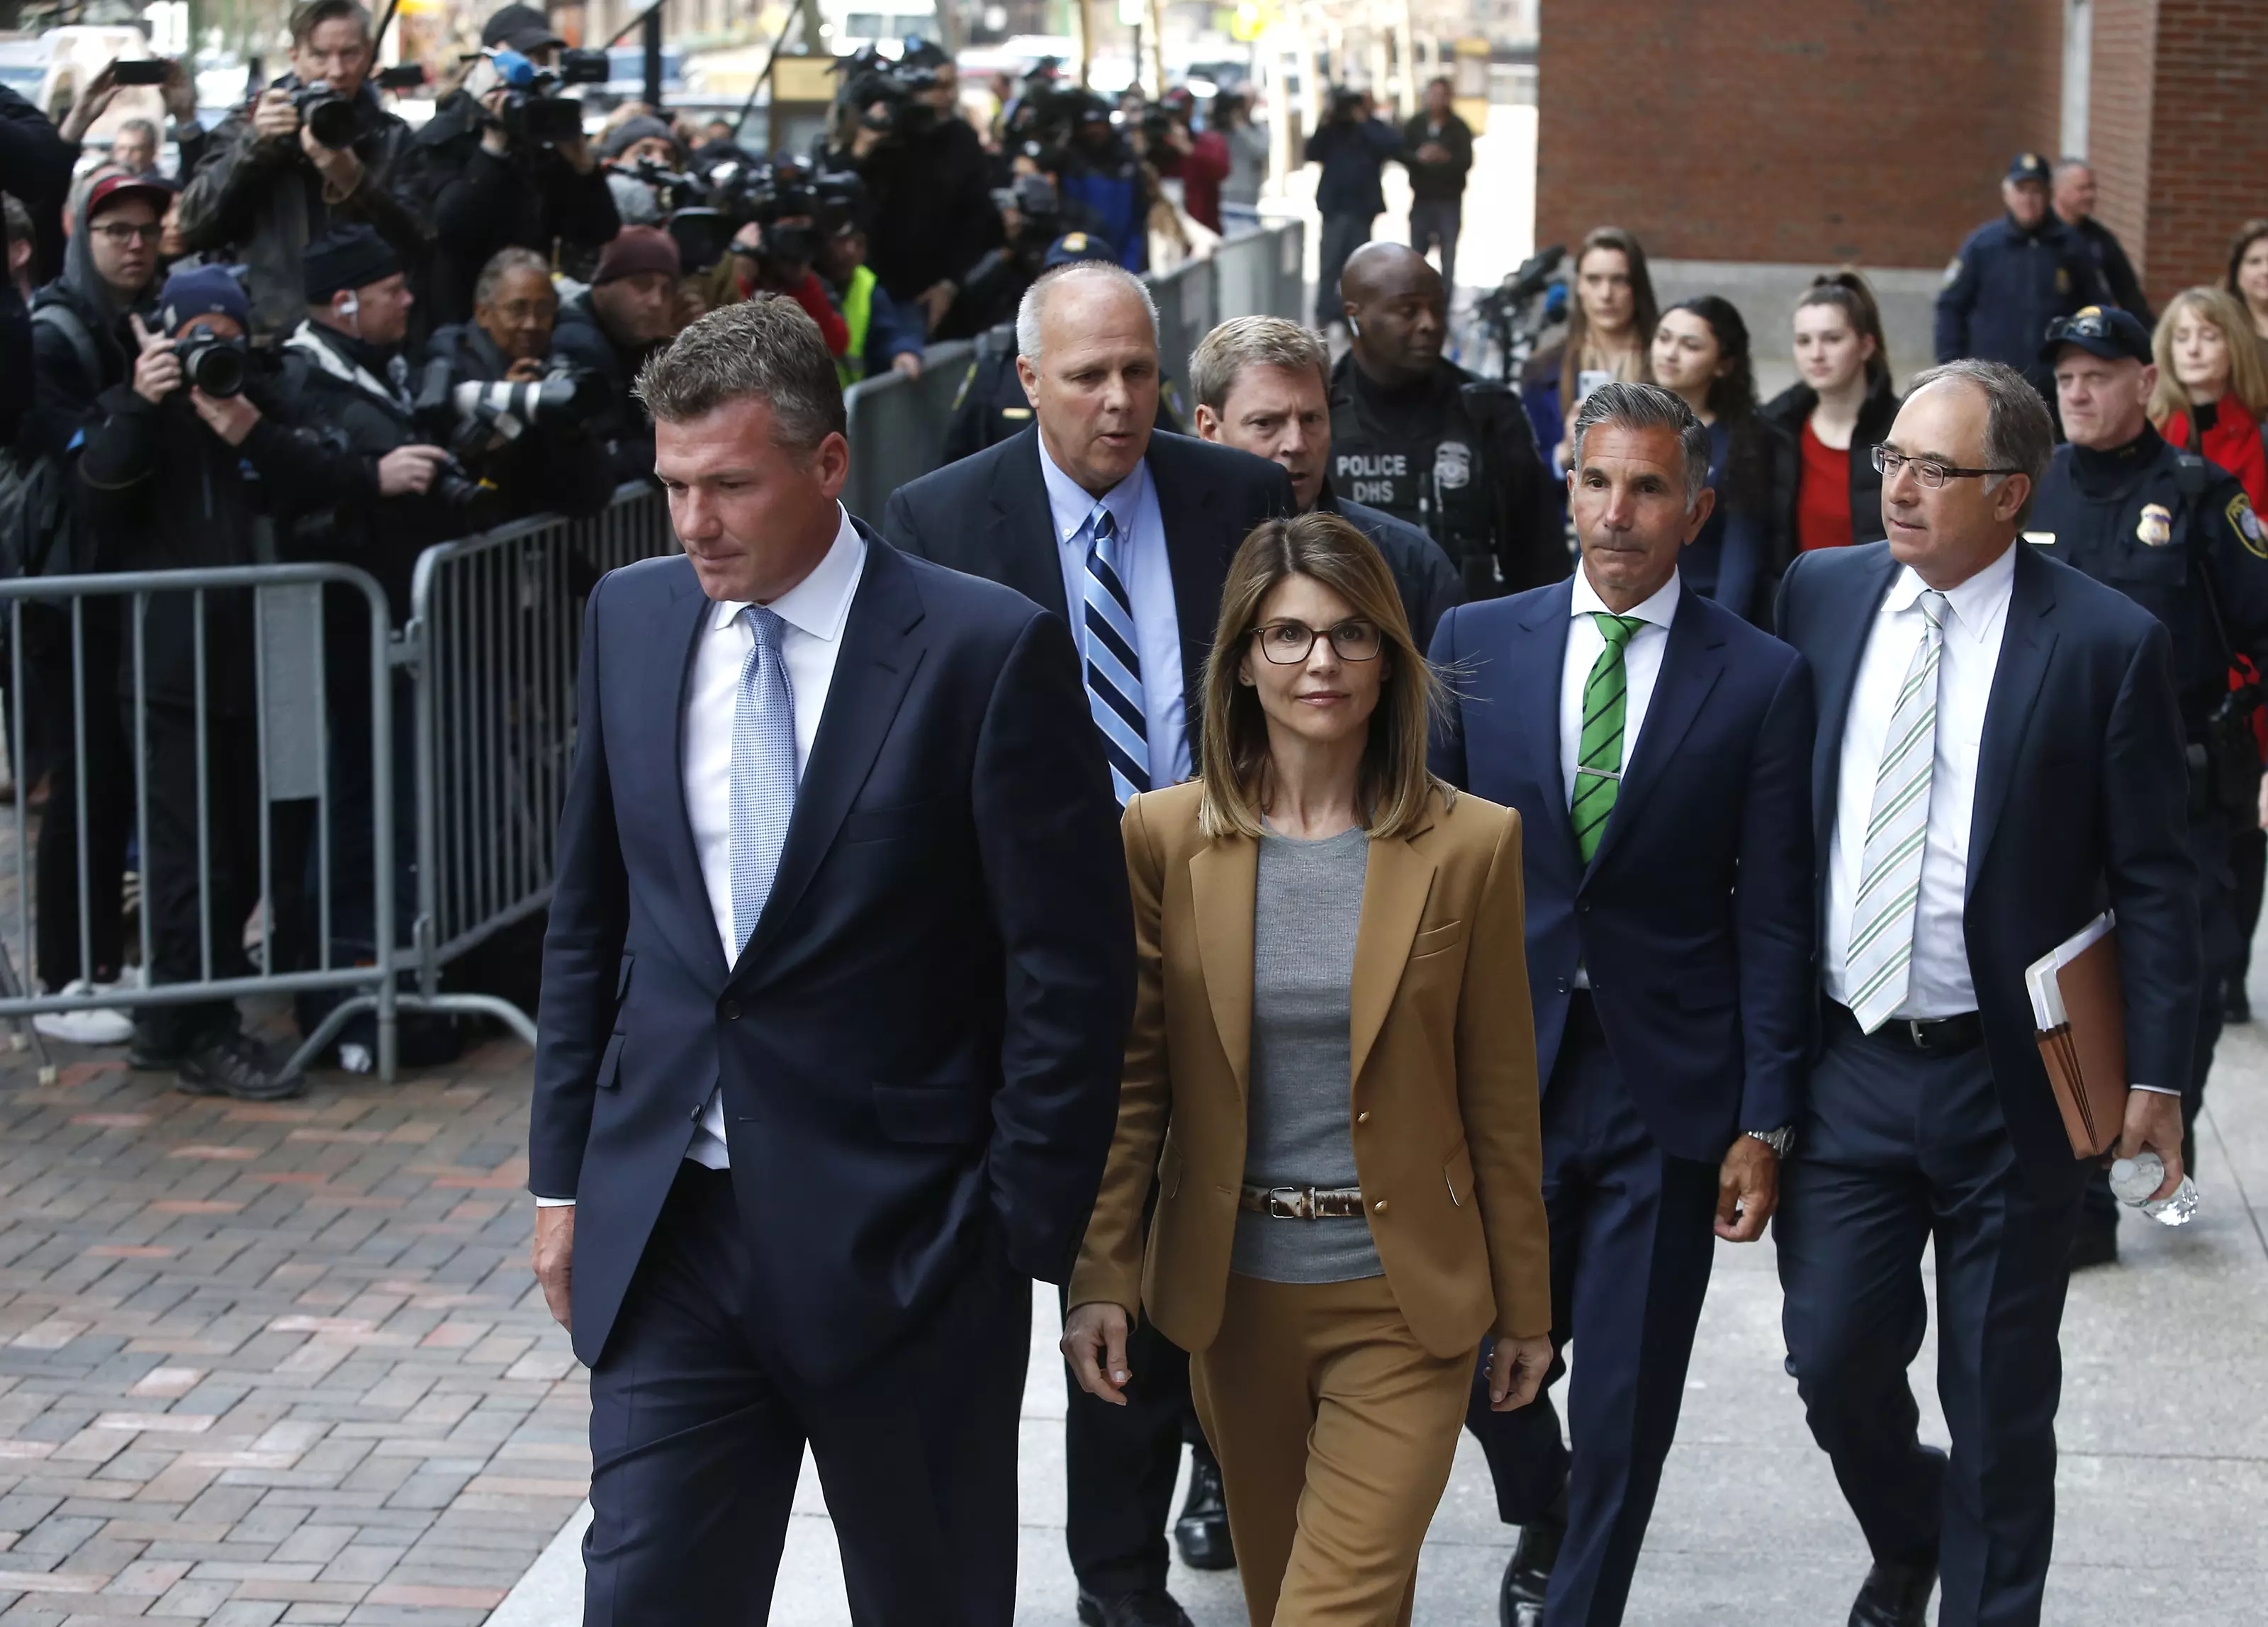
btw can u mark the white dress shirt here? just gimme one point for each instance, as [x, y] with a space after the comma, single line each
[1149, 581]
[1938, 981]
[1641, 667]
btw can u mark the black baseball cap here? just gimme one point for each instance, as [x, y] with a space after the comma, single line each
[2100, 331]
[2028, 167]
[521, 29]
[1074, 247]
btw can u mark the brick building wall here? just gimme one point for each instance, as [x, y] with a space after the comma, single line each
[1792, 129]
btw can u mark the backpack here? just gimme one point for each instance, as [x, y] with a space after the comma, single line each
[35, 514]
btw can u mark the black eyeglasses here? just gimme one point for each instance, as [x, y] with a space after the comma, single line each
[1288, 643]
[1929, 471]
[120, 233]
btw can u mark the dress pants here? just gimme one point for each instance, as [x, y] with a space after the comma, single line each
[1343, 235]
[1436, 220]
[1120, 1464]
[52, 666]
[1335, 1430]
[189, 918]
[1632, 1239]
[1900, 1150]
[698, 1431]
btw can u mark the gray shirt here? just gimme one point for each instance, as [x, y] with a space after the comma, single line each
[1306, 907]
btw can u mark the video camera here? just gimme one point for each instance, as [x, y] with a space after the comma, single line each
[884, 92]
[535, 112]
[1516, 314]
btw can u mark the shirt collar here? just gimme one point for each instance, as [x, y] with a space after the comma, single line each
[1069, 503]
[1660, 610]
[820, 602]
[1977, 604]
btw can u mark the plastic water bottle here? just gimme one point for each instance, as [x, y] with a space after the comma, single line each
[2132, 1180]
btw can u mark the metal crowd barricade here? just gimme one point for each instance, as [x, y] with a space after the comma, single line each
[897, 426]
[102, 619]
[492, 645]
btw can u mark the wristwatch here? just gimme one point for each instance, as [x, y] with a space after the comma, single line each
[1779, 1140]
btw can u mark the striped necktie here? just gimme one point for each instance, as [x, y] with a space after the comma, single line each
[1878, 962]
[1599, 756]
[1114, 662]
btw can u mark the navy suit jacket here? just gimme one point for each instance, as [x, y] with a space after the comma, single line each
[2081, 805]
[1694, 918]
[988, 514]
[920, 1046]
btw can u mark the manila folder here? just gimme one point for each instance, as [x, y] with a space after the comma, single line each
[2086, 1054]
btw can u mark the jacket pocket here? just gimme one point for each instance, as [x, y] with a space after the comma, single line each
[948, 1115]
[610, 1063]
[1437, 939]
[1458, 1172]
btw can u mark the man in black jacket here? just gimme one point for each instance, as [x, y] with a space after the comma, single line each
[489, 189]
[609, 330]
[1352, 144]
[177, 478]
[1087, 490]
[2072, 196]
[1439, 146]
[268, 185]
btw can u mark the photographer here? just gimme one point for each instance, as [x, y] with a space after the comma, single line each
[642, 171]
[316, 148]
[534, 448]
[611, 327]
[495, 183]
[1031, 218]
[773, 252]
[926, 172]
[1352, 144]
[1103, 179]
[178, 469]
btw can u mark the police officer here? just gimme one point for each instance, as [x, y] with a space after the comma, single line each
[2177, 534]
[991, 405]
[2014, 276]
[1415, 435]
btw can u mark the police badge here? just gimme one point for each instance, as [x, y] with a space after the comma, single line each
[1452, 465]
[2155, 528]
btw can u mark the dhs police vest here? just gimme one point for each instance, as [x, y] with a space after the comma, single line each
[1438, 483]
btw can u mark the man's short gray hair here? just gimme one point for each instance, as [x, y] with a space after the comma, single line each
[1035, 302]
[1648, 406]
[768, 348]
[1242, 341]
[2064, 166]
[2018, 433]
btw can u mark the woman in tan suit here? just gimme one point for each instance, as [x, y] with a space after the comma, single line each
[1331, 1077]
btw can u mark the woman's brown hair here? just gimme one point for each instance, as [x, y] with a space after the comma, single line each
[2248, 374]
[1646, 313]
[2250, 233]
[1849, 293]
[1396, 788]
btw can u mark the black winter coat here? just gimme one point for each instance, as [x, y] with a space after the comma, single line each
[1792, 407]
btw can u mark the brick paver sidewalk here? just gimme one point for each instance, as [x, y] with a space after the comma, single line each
[274, 1363]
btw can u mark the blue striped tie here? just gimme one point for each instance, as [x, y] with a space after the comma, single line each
[1114, 665]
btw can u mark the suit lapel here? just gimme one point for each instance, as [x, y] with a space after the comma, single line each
[1395, 884]
[1029, 555]
[684, 620]
[881, 652]
[1690, 667]
[1835, 657]
[1223, 877]
[1534, 665]
[2025, 644]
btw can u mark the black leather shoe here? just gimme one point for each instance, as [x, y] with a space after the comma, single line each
[1154, 1608]
[1896, 1595]
[1519, 1602]
[240, 1066]
[1202, 1532]
[2097, 1242]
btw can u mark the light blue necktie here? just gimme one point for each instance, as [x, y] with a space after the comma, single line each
[1114, 662]
[763, 773]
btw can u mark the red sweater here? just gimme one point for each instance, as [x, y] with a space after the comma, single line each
[2232, 441]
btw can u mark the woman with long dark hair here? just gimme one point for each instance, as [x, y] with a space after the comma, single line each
[1838, 413]
[1609, 323]
[2248, 276]
[1701, 352]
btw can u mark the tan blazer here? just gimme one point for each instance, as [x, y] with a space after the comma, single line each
[1447, 1143]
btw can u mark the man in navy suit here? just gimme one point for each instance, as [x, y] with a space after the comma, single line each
[834, 998]
[1658, 748]
[2000, 759]
[1091, 513]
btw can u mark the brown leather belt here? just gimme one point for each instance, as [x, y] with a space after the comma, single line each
[1303, 1203]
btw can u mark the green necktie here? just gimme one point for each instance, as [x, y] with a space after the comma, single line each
[1599, 758]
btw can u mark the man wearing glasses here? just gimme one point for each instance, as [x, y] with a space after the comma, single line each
[2178, 535]
[1998, 759]
[1658, 748]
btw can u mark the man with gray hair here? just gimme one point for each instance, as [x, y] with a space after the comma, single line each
[1999, 759]
[836, 991]
[1124, 533]
[2072, 194]
[1658, 748]
[1262, 385]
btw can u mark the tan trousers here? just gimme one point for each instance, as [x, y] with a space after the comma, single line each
[1335, 1430]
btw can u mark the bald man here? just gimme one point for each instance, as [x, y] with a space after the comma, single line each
[1418, 436]
[1093, 508]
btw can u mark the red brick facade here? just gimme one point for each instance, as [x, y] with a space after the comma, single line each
[1846, 129]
